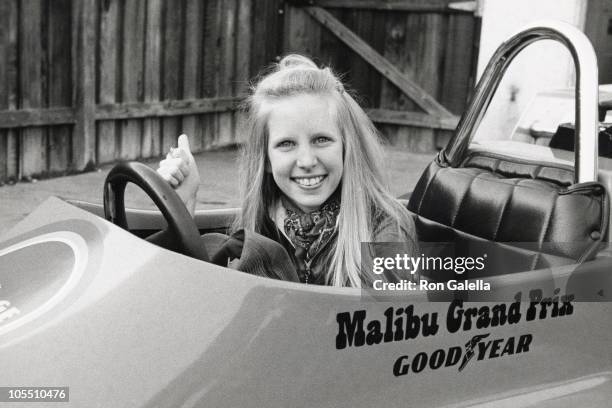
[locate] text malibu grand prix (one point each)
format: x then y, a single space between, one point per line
401 324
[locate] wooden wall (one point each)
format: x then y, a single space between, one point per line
169 50
35 72
434 47
156 50
88 82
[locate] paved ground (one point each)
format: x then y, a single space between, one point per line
219 188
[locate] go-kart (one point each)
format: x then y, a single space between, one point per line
123 307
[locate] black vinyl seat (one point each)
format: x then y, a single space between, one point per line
539 217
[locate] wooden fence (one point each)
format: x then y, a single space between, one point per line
412 62
87 82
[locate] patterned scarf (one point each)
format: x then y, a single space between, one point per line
309 232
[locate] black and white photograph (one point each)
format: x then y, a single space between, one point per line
305 203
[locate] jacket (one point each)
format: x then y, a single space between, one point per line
318 266
271 254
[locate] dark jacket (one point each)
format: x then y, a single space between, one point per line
271 254
386 232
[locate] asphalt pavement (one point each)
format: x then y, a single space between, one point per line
218 189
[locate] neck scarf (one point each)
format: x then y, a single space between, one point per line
309 232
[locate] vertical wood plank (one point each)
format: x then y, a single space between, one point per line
268 34
151 137
243 59
84 58
277 31
4 44
341 59
107 146
9 154
60 82
303 35
258 54
243 46
459 68
361 21
12 141
133 73
227 16
33 143
210 74
172 67
379 27
459 62
192 125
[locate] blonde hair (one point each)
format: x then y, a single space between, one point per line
365 199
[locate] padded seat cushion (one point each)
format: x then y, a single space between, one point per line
497 199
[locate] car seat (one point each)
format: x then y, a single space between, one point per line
539 214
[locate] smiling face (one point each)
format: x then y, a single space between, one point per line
305 149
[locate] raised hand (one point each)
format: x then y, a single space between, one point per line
180 170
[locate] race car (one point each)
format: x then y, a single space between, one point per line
119 307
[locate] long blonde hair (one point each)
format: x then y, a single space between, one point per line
365 199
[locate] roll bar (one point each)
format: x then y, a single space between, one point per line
586 93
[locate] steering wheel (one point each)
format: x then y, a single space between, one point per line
181 235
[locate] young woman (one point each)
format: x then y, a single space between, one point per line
311 176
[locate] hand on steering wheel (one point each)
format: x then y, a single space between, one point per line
181 235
